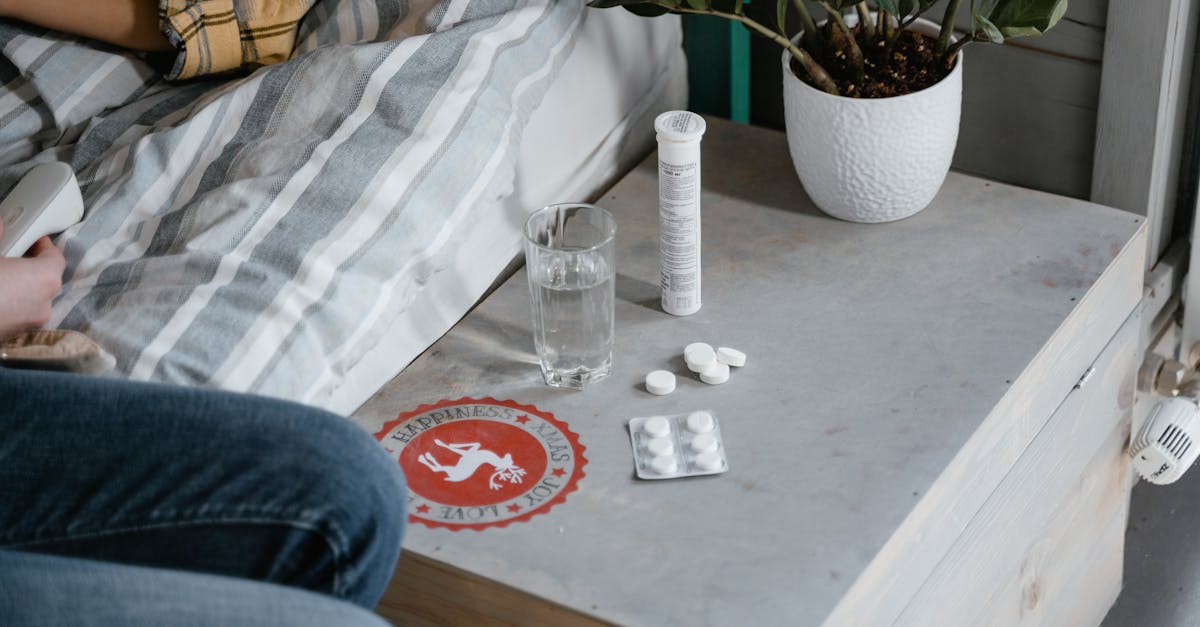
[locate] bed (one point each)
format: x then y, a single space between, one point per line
306 231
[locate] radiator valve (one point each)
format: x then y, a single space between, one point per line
1166 447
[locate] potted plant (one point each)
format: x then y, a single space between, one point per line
872 93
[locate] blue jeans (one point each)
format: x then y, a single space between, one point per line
47 590
194 480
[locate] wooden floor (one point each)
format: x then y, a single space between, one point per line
425 593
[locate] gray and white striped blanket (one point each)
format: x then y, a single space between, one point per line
262 234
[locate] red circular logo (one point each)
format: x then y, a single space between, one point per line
473 464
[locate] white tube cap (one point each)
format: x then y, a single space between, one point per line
679 126
660 382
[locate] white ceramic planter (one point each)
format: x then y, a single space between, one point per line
873 159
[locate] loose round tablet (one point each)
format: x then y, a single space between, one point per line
699 357
704 443
664 465
731 357
656 427
716 375
700 422
660 382
709 461
659 447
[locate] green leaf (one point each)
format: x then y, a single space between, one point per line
906 8
889 6
639 7
840 5
984 7
993 33
699 5
1025 18
646 10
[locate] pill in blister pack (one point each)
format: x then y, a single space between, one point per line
680 445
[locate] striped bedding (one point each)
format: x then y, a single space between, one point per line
261 234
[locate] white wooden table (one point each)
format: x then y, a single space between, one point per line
908 443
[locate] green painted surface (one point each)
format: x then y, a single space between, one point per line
739 75
718 67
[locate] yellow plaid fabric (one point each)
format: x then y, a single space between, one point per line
218 36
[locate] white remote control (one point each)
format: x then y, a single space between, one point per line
46 201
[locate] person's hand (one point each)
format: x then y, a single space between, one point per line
130 24
28 286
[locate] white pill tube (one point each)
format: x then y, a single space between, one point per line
679 134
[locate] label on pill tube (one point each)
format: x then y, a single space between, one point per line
679 134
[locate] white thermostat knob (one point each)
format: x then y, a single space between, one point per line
1165 447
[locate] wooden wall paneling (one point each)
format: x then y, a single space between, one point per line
1028 118
1148 53
1029 106
1186 216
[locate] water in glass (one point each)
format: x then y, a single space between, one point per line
573 302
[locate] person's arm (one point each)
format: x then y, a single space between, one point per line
127 23
28 286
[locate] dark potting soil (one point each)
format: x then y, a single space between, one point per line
913 65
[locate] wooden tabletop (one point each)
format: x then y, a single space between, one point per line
895 373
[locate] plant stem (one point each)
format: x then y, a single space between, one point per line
895 32
890 46
882 21
814 69
856 55
812 35
958 45
864 20
948 26
889 34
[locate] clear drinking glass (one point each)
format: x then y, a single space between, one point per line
569 259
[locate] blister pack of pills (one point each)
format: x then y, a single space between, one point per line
680 445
